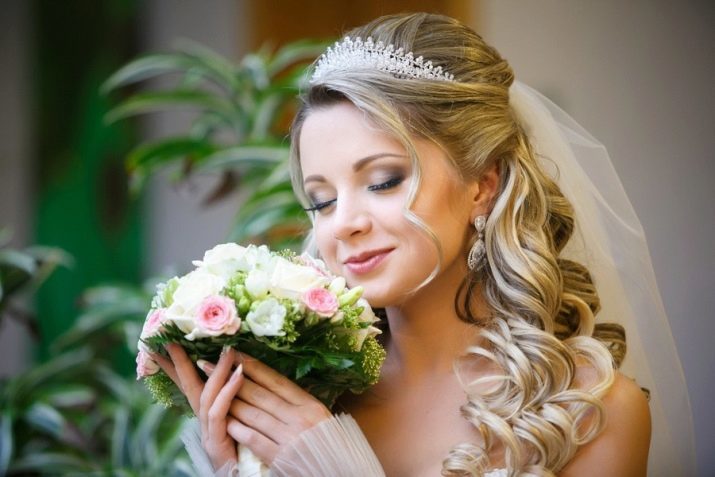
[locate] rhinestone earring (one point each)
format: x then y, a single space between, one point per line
475 259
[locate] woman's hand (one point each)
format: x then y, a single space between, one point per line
270 409
210 401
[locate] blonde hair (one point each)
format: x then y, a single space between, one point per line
542 305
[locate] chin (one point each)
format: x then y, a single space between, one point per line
382 296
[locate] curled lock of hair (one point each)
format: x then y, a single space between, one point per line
542 306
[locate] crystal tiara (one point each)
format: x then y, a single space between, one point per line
350 53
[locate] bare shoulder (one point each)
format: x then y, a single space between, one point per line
622 448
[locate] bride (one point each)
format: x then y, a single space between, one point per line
447 190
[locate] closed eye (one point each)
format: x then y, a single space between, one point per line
320 206
389 184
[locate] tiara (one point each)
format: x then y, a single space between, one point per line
349 54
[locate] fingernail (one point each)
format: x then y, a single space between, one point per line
237 373
205 366
225 349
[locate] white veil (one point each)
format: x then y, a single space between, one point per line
610 242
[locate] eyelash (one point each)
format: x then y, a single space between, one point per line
388 184
319 206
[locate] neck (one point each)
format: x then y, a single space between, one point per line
426 335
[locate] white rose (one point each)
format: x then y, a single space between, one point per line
259 257
289 280
257 283
189 294
224 260
367 315
267 319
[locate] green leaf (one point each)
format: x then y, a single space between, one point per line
49 463
142 103
206 124
57 368
147 67
26 270
266 113
12 259
254 64
220 68
98 321
69 396
121 388
46 418
152 155
265 221
143 444
51 255
6 440
294 52
120 438
303 368
110 294
243 155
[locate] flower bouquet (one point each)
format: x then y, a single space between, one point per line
286 310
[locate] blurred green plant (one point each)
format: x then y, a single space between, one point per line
21 274
75 415
239 130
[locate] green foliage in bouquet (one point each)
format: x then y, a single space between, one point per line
238 131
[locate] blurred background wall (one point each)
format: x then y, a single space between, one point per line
637 74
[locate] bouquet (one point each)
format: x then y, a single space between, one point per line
286 310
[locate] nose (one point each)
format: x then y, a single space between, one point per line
350 219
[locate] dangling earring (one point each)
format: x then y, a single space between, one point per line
475 259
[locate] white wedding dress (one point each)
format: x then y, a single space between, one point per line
335 447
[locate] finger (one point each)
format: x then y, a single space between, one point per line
260 397
191 383
261 421
255 395
213 386
263 447
272 380
218 412
168 367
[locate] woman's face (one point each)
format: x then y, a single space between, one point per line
358 178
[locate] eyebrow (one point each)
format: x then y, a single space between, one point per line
357 166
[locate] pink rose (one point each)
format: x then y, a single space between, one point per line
321 301
217 316
145 365
153 323
315 263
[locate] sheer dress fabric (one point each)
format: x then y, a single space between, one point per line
335 447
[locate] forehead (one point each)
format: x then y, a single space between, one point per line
341 132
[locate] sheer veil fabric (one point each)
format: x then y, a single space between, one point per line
610 241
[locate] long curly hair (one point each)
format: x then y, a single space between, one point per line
542 306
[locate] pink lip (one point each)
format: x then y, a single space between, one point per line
366 261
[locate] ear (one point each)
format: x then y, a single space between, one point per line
485 191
